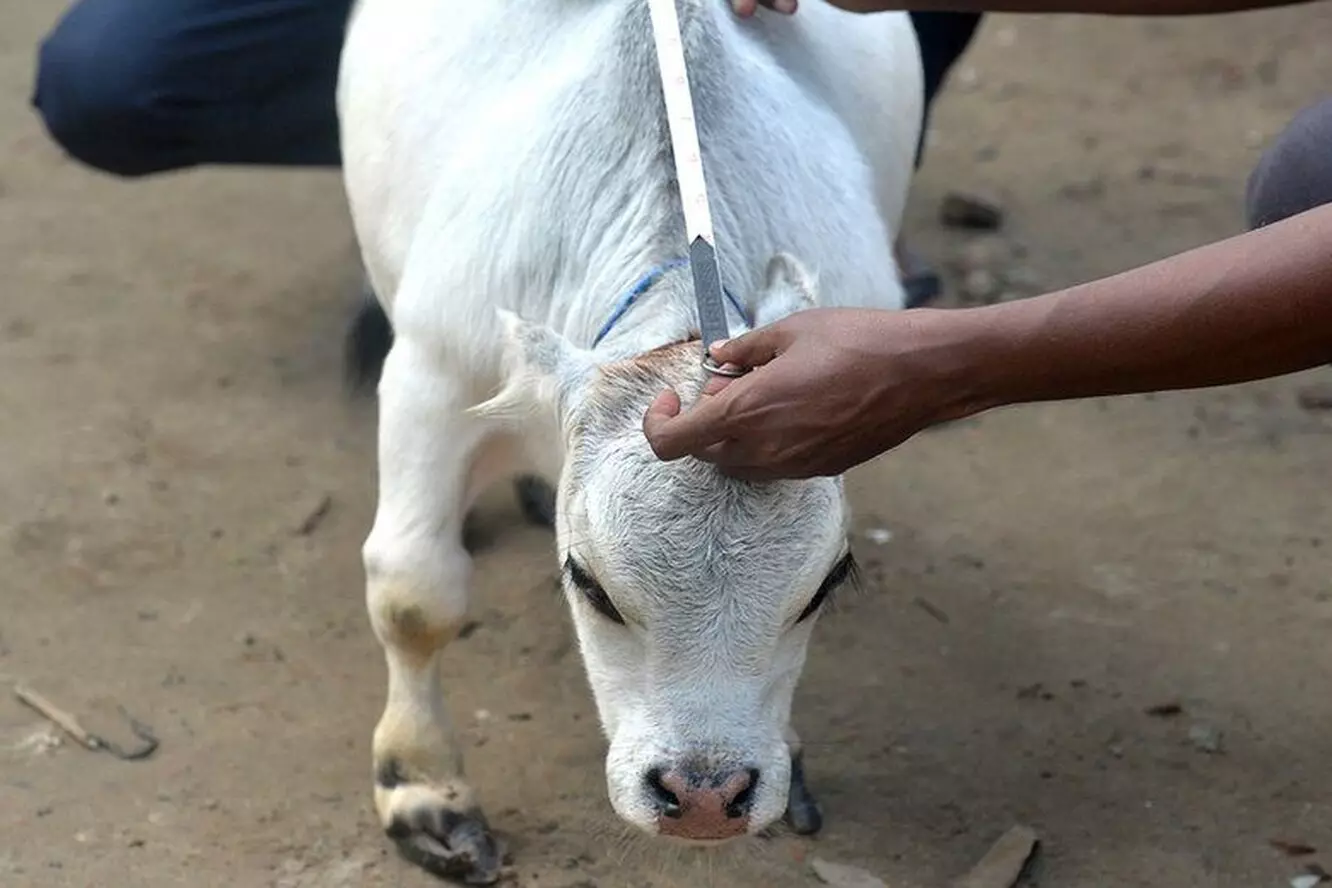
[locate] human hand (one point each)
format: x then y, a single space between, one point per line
746 8
829 389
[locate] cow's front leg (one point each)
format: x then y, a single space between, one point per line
433 458
802 809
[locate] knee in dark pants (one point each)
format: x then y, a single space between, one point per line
96 98
1295 173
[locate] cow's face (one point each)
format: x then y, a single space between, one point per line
693 595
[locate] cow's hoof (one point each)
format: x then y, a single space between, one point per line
452 844
536 498
802 811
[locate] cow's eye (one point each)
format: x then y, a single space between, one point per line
592 591
842 571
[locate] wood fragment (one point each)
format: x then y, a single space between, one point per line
64 720
932 609
67 722
315 516
1292 849
1165 710
840 875
1005 863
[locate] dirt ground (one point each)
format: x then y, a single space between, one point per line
173 421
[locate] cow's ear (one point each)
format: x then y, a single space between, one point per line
543 373
788 287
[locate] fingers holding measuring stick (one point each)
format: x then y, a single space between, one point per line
674 433
746 8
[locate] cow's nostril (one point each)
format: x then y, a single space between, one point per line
667 802
743 800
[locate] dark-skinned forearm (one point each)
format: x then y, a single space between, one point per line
1086 7
1251 307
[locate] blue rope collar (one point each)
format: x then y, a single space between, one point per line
645 283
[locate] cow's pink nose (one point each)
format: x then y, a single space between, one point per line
702 806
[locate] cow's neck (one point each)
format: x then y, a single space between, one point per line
664 313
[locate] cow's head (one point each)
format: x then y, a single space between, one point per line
693 595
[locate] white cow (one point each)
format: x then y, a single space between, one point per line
509 172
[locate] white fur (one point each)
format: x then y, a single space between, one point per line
512 155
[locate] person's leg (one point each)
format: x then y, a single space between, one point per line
1295 172
132 87
943 37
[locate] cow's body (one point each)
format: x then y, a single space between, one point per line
513 154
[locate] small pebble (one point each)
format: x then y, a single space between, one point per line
878 535
1085 190
981 285
840 875
1205 738
987 251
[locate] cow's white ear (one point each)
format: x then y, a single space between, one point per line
788 287
543 373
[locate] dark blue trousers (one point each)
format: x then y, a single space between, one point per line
134 87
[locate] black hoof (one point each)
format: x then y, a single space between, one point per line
921 282
802 811
450 844
922 289
536 498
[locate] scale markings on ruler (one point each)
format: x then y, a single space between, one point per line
689 171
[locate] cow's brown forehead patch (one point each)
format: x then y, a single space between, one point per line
663 363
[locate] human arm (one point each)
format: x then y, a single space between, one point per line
832 388
1088 7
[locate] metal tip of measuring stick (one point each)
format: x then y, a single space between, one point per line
708 293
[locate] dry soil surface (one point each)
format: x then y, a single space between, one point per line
172 418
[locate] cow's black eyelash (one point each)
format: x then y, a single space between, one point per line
845 570
592 591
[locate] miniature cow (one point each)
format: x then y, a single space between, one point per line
509 172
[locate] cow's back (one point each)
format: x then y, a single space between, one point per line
512 153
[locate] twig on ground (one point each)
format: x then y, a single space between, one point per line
70 725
